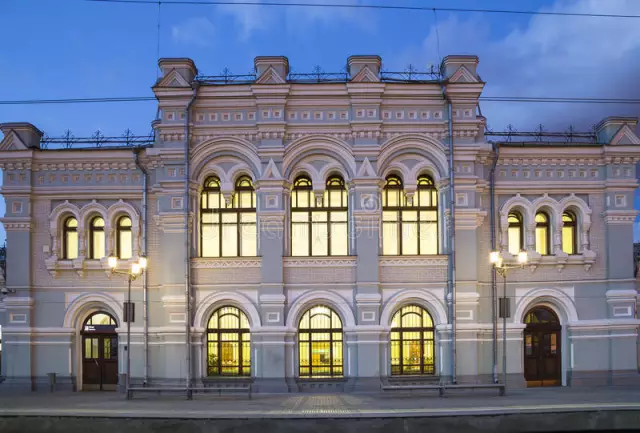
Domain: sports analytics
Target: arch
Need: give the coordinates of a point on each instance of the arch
(320, 297)
(404, 144)
(86, 304)
(518, 203)
(89, 210)
(324, 145)
(412, 341)
(424, 299)
(59, 213)
(558, 301)
(228, 176)
(119, 209)
(219, 299)
(577, 204)
(235, 147)
(228, 342)
(548, 205)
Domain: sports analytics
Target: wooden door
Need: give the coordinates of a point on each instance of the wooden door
(542, 348)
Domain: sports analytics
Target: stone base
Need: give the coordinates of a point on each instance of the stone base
(367, 384)
(270, 385)
(604, 378)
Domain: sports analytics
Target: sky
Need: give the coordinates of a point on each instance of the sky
(78, 49)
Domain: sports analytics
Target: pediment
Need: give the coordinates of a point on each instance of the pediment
(365, 76)
(12, 141)
(463, 75)
(270, 76)
(271, 171)
(366, 169)
(173, 79)
(625, 135)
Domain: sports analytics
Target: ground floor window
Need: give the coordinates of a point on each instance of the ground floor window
(320, 343)
(412, 342)
(228, 343)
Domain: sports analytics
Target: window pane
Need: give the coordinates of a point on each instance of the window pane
(424, 197)
(248, 237)
(319, 216)
(229, 218)
(214, 200)
(210, 240)
(338, 216)
(409, 216)
(390, 216)
(339, 239)
(335, 199)
(428, 215)
(245, 199)
(428, 238)
(126, 244)
(300, 239)
(409, 238)
(390, 238)
(541, 240)
(229, 239)
(72, 245)
(320, 239)
(98, 245)
(514, 240)
(567, 240)
(303, 198)
(392, 198)
(297, 217)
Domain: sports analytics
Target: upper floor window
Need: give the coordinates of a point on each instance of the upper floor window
(319, 228)
(409, 228)
(70, 239)
(96, 238)
(228, 229)
(542, 233)
(569, 235)
(124, 238)
(515, 233)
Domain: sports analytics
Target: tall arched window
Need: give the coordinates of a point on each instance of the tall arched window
(319, 229)
(228, 343)
(124, 238)
(70, 239)
(320, 343)
(515, 233)
(96, 238)
(542, 233)
(409, 228)
(412, 342)
(228, 230)
(569, 233)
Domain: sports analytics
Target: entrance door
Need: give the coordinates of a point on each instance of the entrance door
(99, 353)
(542, 354)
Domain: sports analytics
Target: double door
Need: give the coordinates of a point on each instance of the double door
(100, 362)
(542, 355)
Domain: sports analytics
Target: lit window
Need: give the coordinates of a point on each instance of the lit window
(319, 229)
(124, 238)
(412, 342)
(96, 238)
(409, 228)
(542, 233)
(228, 343)
(569, 238)
(320, 343)
(228, 230)
(515, 233)
(70, 239)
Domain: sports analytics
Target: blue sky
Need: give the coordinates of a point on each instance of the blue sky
(71, 48)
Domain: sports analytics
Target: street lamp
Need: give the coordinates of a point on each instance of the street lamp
(136, 270)
(496, 259)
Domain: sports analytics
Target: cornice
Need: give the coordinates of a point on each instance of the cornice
(17, 224)
(620, 217)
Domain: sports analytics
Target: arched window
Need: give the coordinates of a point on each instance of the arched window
(100, 321)
(96, 238)
(320, 343)
(228, 343)
(412, 342)
(542, 233)
(515, 233)
(319, 229)
(409, 228)
(569, 233)
(124, 238)
(70, 239)
(228, 230)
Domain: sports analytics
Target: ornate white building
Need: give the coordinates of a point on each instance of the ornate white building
(320, 253)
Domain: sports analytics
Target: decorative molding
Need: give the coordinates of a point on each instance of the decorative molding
(84, 166)
(434, 261)
(314, 262)
(225, 262)
(620, 217)
(17, 224)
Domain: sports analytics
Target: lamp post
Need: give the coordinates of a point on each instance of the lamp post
(134, 272)
(496, 259)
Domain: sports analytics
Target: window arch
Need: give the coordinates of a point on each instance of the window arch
(124, 238)
(515, 233)
(412, 341)
(228, 343)
(542, 234)
(569, 233)
(70, 238)
(228, 230)
(100, 322)
(320, 343)
(319, 229)
(96, 238)
(409, 228)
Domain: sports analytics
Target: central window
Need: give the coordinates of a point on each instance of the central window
(542, 233)
(412, 342)
(228, 229)
(409, 228)
(319, 227)
(320, 343)
(228, 343)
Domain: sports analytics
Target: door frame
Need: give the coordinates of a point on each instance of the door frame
(79, 345)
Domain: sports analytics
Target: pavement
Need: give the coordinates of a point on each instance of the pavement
(390, 404)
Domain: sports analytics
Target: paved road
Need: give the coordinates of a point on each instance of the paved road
(291, 406)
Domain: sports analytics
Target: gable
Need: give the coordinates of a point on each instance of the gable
(463, 75)
(173, 79)
(625, 135)
(365, 76)
(270, 76)
(366, 170)
(12, 141)
(271, 171)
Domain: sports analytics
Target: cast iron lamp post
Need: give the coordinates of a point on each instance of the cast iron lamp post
(134, 272)
(501, 268)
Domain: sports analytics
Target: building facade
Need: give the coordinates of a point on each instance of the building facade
(298, 234)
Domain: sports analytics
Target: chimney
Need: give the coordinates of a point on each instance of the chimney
(358, 63)
(451, 64)
(183, 66)
(609, 127)
(26, 132)
(280, 65)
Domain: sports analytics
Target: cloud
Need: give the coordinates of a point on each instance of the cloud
(556, 56)
(194, 31)
(251, 18)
